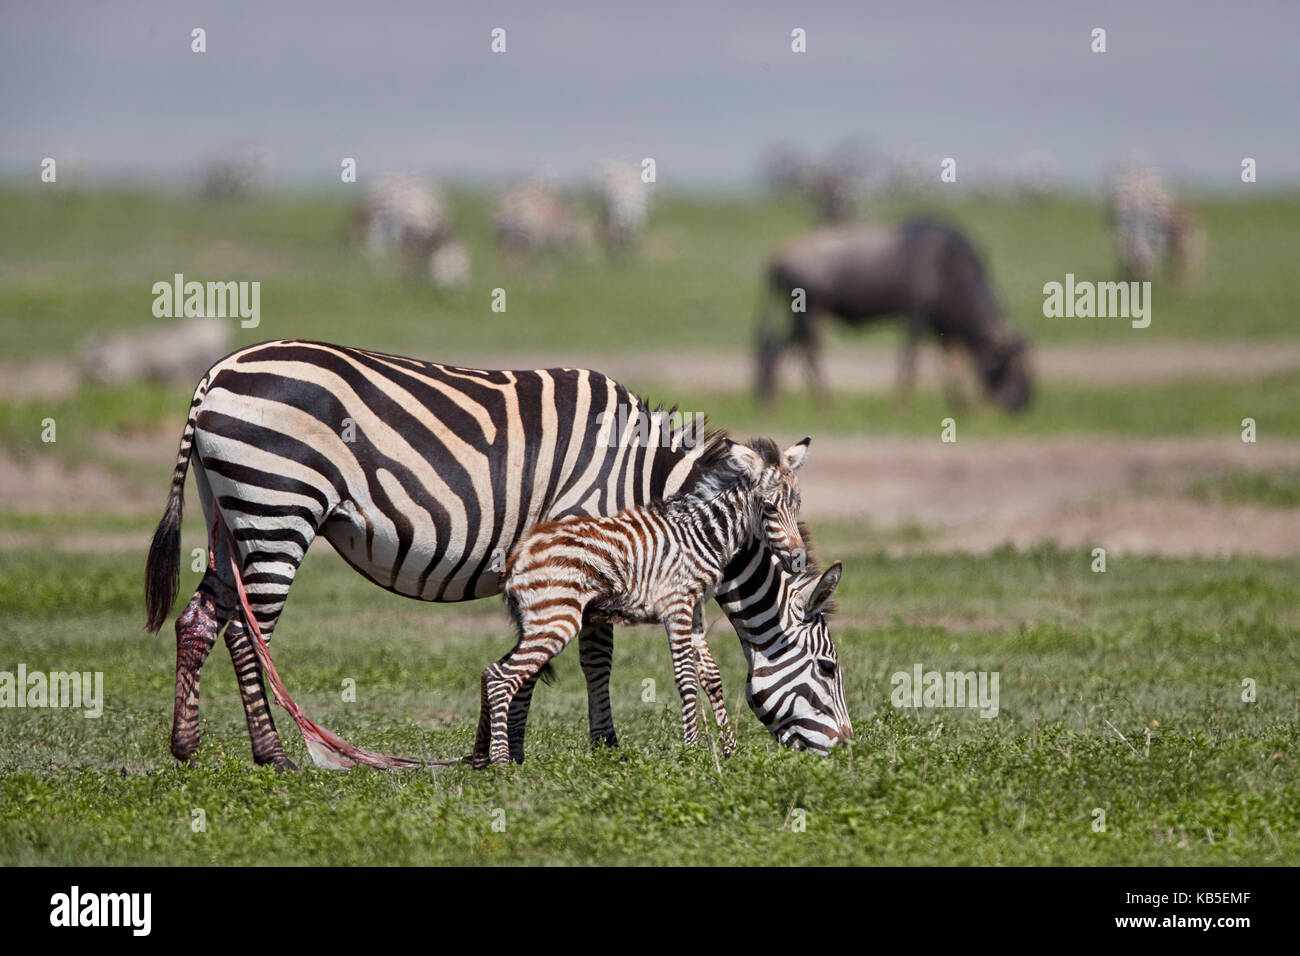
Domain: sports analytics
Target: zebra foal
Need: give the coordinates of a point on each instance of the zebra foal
(649, 563)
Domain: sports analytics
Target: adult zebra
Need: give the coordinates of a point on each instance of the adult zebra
(423, 477)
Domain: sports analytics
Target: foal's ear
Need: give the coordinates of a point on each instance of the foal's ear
(796, 455)
(748, 459)
(822, 591)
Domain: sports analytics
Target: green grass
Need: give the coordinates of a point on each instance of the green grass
(77, 265)
(1179, 408)
(91, 421)
(1152, 645)
(1156, 647)
(1237, 486)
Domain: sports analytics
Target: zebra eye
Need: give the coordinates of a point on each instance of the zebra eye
(826, 666)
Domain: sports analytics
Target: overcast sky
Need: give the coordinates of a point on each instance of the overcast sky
(702, 87)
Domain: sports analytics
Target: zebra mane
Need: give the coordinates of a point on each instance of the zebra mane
(696, 432)
(719, 473)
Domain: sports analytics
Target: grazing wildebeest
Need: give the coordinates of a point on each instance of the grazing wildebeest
(926, 273)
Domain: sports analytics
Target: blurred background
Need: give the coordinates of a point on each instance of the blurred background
(381, 172)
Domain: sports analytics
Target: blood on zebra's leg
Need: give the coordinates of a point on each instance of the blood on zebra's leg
(196, 632)
(596, 655)
(267, 747)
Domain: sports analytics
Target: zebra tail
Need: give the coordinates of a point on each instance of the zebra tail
(162, 571)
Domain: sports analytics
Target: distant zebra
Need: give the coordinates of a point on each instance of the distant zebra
(405, 225)
(1150, 228)
(533, 218)
(651, 563)
(423, 477)
(624, 207)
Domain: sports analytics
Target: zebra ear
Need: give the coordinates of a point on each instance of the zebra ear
(748, 459)
(822, 591)
(797, 454)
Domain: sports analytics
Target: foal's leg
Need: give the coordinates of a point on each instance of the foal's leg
(678, 625)
(711, 679)
(596, 653)
(543, 634)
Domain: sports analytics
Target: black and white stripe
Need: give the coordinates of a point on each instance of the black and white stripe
(652, 563)
(423, 477)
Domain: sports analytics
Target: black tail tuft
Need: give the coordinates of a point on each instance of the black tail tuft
(548, 673)
(162, 573)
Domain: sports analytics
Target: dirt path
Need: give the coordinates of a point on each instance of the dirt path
(874, 370)
(1126, 495)
(849, 369)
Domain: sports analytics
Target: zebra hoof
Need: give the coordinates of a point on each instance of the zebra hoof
(183, 750)
(278, 762)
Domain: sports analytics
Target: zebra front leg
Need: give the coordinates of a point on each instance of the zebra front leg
(267, 747)
(196, 632)
(517, 722)
(678, 626)
(596, 654)
(711, 679)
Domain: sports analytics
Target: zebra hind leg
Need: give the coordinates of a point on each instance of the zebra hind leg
(196, 632)
(267, 747)
(267, 577)
(503, 680)
(596, 652)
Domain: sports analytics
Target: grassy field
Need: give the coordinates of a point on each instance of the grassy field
(83, 264)
(1151, 646)
(1154, 649)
